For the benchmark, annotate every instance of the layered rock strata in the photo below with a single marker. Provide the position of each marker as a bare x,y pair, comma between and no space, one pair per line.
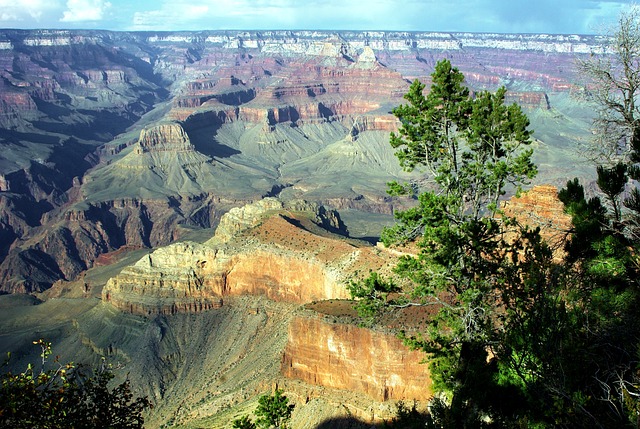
266,248
349,357
182,277
541,208
280,251
227,117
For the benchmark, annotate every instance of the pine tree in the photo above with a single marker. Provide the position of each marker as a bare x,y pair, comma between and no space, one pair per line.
471,149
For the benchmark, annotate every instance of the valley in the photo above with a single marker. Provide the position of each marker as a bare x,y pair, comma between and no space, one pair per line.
192,205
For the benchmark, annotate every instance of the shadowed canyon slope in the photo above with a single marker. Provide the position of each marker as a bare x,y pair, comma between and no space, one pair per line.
133,139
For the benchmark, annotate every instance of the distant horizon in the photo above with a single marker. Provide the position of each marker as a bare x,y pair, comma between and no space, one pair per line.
282,30
570,17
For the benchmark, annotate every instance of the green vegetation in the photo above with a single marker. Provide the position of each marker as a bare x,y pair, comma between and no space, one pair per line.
243,423
274,411
520,338
67,397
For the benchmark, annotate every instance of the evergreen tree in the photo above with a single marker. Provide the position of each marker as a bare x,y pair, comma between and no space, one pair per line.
243,423
472,149
274,411
519,339
67,397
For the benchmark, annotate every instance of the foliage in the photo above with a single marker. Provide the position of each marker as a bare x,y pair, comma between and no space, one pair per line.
604,299
67,396
613,86
602,248
373,293
273,411
243,423
472,149
520,339
408,418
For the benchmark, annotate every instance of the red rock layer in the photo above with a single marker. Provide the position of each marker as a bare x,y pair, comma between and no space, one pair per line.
541,207
348,357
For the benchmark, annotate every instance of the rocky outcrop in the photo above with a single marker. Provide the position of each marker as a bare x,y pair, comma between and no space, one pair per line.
267,249
541,208
240,219
164,137
183,277
283,277
348,357
188,277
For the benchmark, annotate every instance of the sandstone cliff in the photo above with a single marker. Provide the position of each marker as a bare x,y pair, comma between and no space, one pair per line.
541,208
182,277
268,248
348,357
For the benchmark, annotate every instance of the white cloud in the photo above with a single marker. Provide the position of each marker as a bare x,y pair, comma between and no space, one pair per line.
4,16
85,10
216,14
402,15
196,11
27,10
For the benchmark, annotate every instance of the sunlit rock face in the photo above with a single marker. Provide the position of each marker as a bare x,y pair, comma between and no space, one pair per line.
541,208
353,358
263,249
182,277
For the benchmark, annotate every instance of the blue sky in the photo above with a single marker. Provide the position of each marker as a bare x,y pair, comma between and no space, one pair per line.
503,16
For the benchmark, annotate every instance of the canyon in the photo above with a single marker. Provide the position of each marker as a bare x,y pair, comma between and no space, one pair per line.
125,139
192,206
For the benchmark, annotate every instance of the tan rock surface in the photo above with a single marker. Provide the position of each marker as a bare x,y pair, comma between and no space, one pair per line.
353,358
261,249
541,207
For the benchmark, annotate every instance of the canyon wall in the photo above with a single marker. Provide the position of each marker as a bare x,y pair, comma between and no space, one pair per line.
255,251
279,251
288,278
119,139
348,357
188,277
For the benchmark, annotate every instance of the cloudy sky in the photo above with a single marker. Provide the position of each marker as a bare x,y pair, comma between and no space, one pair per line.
504,16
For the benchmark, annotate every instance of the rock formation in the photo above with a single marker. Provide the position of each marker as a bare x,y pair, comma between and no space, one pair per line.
541,208
181,277
113,139
349,357
281,252
268,248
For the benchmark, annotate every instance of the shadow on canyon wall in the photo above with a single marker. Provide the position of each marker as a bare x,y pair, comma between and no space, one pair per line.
416,421
346,423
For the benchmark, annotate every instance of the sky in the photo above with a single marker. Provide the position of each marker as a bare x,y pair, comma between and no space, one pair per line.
499,16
